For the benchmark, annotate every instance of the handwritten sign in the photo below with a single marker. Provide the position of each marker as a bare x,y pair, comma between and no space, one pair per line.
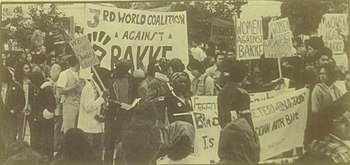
249,38
84,52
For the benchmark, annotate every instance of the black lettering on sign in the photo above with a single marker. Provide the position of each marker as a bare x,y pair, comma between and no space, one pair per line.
96,18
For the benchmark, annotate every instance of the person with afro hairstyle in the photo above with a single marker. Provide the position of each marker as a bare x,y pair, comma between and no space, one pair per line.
140,143
76,150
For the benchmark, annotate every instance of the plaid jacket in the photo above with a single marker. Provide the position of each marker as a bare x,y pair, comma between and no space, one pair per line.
331,147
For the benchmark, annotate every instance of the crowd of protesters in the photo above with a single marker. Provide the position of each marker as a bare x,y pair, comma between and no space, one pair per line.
90,121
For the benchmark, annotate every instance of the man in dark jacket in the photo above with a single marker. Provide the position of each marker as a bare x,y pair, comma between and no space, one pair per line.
41,119
11,103
234,101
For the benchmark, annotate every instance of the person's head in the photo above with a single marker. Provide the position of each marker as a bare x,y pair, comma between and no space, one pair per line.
194,43
11,62
181,138
297,42
177,65
178,81
323,56
23,69
38,59
219,59
5,74
29,57
163,66
37,78
27,157
327,74
196,67
313,45
76,146
238,143
55,71
16,148
51,60
140,143
122,67
73,62
104,75
145,111
334,119
238,72
77,29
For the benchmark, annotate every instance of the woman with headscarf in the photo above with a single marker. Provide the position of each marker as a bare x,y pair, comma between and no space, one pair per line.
179,99
180,145
158,87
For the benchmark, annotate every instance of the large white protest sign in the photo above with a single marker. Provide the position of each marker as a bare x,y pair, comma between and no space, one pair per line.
84,52
279,43
138,35
249,38
329,28
282,119
262,96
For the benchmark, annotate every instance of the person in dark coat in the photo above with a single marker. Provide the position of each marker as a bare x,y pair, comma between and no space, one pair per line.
41,121
122,89
11,103
234,101
238,144
179,100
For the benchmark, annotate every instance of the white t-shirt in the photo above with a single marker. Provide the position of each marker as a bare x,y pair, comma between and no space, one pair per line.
62,79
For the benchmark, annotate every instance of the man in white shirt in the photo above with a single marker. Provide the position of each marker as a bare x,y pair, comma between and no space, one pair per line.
214,71
69,85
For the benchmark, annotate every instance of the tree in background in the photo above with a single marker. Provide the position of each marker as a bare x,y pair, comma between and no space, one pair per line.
304,15
42,23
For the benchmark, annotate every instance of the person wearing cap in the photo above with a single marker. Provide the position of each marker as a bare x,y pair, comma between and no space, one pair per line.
159,86
69,86
122,89
179,100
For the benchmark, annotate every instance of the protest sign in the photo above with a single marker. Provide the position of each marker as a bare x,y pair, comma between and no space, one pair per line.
283,119
207,135
221,32
279,43
84,52
273,117
249,38
330,27
262,96
138,35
